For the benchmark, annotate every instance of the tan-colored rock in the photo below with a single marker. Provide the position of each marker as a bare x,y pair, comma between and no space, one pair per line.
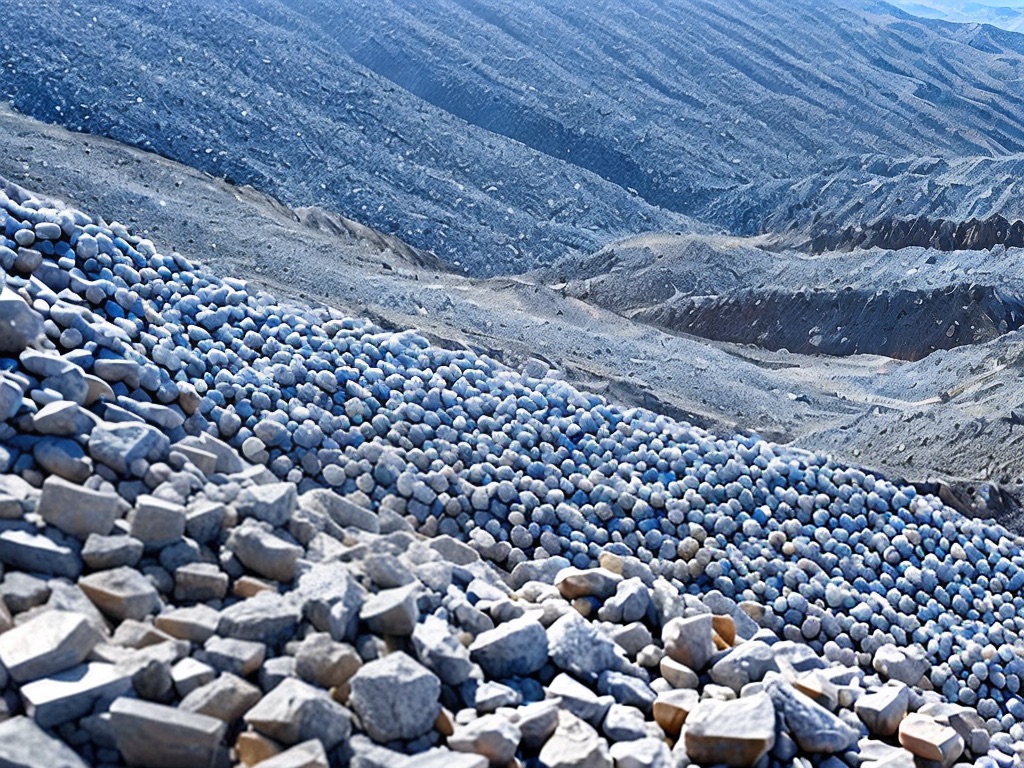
250,586
325,662
671,709
121,593
725,631
445,723
197,624
735,733
593,582
929,740
252,747
816,687
227,698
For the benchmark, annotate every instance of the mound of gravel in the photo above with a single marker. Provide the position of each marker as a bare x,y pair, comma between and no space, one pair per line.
226,521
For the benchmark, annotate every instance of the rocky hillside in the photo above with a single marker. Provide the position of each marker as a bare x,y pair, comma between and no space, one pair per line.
241,530
551,128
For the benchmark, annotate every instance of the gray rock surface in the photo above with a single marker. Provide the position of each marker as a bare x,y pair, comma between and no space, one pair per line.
164,737
395,698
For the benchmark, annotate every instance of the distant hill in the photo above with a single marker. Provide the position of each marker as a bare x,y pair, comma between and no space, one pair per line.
1008,14
501,136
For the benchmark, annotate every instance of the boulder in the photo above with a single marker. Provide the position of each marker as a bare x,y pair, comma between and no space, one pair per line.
883,710
930,740
71,694
438,648
121,593
158,736
392,611
23,744
227,698
264,552
47,644
575,744
395,698
492,736
515,648
77,510
736,733
690,641
577,646
295,712
20,325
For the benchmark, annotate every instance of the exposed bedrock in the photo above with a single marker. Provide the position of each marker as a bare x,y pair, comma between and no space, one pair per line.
941,234
905,324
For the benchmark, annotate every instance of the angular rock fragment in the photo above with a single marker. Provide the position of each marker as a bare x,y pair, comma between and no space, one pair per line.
593,582
121,593
38,554
77,510
929,740
575,745
189,674
642,753
576,646
735,733
906,665
50,643
155,522
536,723
671,709
515,648
106,552
272,503
689,641
883,710
395,698
492,736
71,694
747,663
440,651
23,744
196,624
308,754
118,446
325,662
295,712
239,657
158,736
813,727
341,510
200,582
227,698
267,617
392,611
264,552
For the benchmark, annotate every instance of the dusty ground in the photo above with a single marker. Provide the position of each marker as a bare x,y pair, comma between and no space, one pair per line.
956,415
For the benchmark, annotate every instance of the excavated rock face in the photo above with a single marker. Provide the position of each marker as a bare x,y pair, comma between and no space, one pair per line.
940,234
908,325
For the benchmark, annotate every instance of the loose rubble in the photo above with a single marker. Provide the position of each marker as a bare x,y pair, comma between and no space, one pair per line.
235,531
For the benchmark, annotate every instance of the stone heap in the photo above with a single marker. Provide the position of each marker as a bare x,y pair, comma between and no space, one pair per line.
233,529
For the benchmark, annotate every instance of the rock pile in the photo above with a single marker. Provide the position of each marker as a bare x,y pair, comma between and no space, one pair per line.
235,529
